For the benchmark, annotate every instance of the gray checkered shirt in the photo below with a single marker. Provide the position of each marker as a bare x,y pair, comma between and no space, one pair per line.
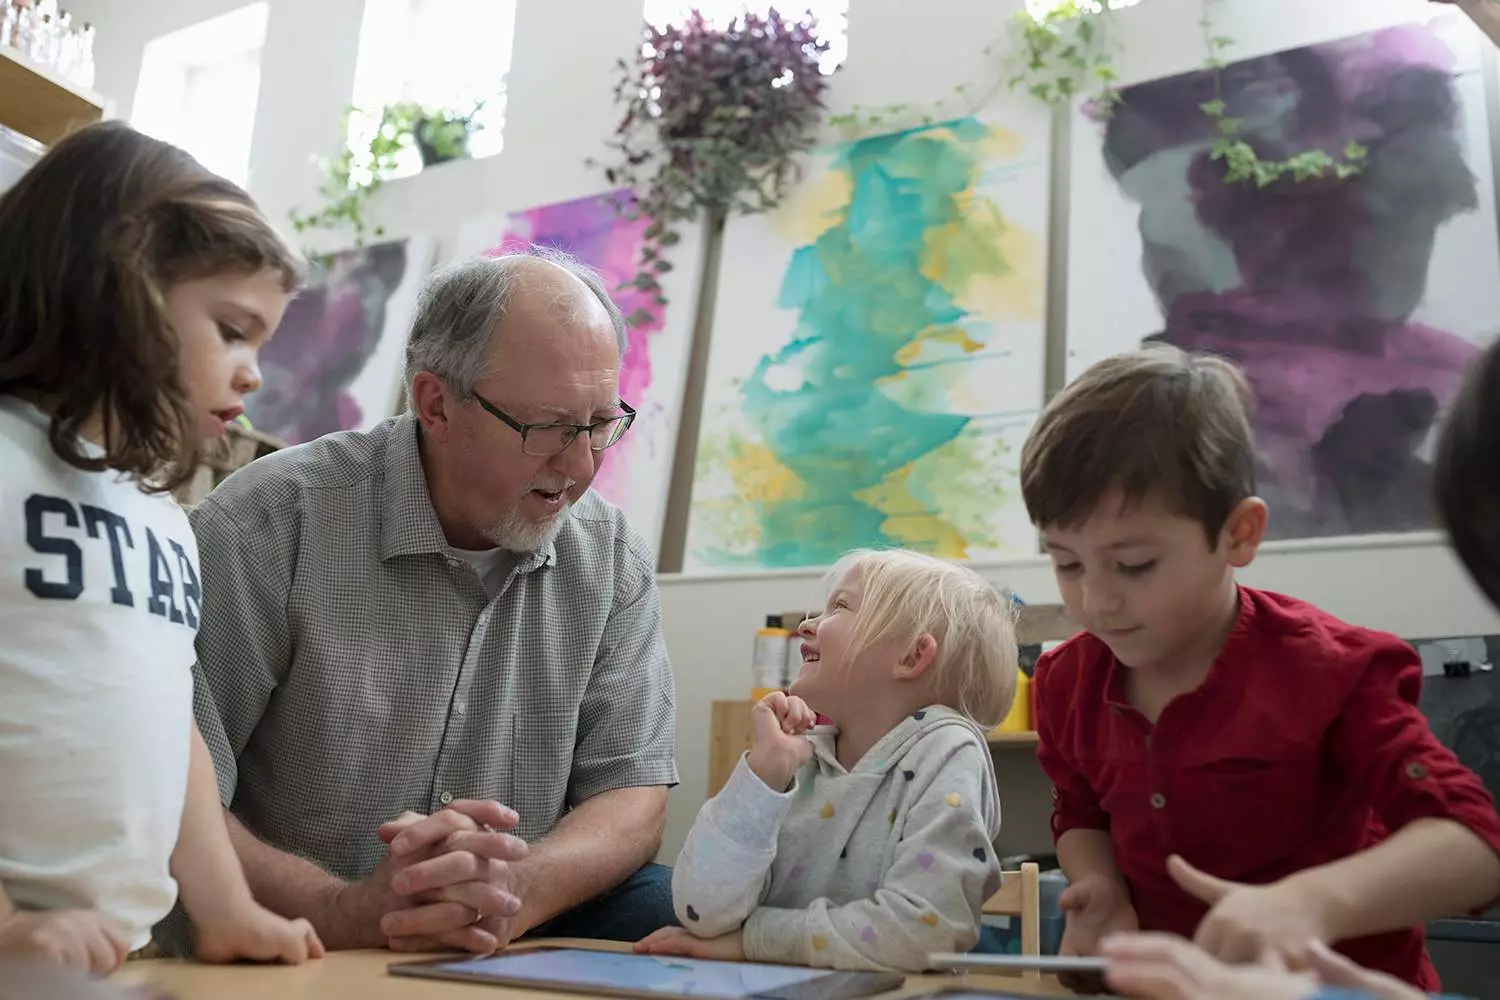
352,666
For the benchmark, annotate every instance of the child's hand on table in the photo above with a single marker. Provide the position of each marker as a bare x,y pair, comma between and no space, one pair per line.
777,724
1245,921
676,941
1095,906
250,931
85,940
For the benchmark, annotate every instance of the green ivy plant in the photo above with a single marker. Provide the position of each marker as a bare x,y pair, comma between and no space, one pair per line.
1069,51
353,175
1242,164
714,119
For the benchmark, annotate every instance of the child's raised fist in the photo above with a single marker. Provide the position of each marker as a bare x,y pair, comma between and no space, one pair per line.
777,724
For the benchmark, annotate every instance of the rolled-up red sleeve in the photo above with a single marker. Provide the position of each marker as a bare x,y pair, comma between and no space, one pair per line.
1385,744
1075,804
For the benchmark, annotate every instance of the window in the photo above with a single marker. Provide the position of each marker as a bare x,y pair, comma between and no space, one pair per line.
440,53
832,18
199,87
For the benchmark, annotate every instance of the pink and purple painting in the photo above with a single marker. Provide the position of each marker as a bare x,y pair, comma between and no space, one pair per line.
335,362
1353,305
634,473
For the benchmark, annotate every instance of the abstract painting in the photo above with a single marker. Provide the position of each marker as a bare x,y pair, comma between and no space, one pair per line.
335,362
1353,306
877,354
634,473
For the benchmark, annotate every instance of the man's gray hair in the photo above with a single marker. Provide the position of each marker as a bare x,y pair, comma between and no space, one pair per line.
462,304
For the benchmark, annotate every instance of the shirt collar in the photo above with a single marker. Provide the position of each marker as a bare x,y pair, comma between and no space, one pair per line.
1114,682
409,524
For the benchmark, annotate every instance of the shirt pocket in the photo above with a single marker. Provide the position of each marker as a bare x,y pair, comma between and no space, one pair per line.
1240,816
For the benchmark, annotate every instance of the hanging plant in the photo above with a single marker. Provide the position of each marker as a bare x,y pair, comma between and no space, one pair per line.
1242,164
358,171
1067,52
714,119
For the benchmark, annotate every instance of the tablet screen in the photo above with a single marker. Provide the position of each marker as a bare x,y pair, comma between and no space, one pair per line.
637,973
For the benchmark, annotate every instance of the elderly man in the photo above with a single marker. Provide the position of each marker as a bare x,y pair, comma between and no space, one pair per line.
417,638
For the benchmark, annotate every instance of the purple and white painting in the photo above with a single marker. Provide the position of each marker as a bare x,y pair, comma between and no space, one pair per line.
336,361
1352,305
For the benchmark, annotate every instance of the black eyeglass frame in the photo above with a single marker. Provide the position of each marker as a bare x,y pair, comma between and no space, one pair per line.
625,419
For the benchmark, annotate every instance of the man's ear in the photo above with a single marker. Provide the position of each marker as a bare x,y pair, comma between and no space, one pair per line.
915,663
1244,531
433,405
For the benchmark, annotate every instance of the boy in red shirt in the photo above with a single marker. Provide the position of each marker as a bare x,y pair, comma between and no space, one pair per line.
1228,764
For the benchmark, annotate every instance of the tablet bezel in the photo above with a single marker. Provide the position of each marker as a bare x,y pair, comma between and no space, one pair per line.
981,962
865,984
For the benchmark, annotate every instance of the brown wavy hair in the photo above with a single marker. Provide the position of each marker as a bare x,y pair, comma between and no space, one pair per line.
91,239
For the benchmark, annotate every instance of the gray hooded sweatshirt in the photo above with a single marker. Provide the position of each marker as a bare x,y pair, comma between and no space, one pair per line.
872,868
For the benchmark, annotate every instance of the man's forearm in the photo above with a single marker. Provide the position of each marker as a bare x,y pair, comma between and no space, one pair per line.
1430,869
294,887
593,849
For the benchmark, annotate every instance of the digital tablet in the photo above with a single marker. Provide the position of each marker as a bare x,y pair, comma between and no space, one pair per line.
624,974
979,962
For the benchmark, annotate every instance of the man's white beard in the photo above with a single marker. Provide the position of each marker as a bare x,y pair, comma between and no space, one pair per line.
515,533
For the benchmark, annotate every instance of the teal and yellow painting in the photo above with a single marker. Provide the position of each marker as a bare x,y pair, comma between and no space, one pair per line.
877,355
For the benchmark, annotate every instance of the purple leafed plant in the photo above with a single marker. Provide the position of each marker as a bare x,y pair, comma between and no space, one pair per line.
714,119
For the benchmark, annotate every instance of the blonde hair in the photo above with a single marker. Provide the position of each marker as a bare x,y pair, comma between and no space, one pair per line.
904,595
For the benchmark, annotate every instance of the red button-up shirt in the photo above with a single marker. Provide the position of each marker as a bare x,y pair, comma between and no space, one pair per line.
1303,745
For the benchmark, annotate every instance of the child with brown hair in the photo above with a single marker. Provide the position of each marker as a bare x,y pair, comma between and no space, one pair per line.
1229,764
866,844
136,289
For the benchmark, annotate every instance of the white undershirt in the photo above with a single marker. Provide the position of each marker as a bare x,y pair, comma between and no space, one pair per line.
490,564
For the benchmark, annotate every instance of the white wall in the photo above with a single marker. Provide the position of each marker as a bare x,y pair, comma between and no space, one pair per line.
559,111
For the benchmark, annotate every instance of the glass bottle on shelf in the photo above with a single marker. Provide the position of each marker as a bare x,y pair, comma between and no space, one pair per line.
85,72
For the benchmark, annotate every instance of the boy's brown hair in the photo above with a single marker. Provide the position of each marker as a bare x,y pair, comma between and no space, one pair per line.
1466,472
91,239
1155,422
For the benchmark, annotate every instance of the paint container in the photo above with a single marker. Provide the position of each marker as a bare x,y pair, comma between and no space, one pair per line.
769,660
792,666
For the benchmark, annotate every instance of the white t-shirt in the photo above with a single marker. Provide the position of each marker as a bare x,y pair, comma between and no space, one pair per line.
99,605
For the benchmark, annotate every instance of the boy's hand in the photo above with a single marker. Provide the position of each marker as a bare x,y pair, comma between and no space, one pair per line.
676,941
85,940
1096,906
1246,921
254,932
777,723
1164,967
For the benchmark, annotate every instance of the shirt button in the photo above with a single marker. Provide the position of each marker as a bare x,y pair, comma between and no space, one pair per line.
1158,800
450,560
1415,771
445,798
460,706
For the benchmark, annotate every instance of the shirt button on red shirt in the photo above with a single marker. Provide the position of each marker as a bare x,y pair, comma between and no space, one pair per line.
1415,771
1158,800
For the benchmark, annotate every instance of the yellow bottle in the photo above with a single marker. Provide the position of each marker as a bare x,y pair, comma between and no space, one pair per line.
1019,719
769,661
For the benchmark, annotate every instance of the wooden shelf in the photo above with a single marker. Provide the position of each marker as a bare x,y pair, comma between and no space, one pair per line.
37,102
1027,739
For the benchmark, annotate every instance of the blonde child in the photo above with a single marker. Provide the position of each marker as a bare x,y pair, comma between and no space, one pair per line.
136,289
865,844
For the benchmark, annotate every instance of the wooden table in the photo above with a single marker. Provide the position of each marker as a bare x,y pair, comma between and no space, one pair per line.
361,975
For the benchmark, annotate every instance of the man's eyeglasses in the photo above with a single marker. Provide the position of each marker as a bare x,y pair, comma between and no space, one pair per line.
546,440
